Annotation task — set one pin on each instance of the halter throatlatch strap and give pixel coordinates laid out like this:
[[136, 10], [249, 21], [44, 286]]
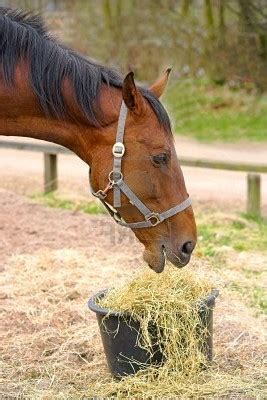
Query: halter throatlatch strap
[[118, 185]]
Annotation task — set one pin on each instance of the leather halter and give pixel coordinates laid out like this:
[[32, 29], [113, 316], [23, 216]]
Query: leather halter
[[117, 183]]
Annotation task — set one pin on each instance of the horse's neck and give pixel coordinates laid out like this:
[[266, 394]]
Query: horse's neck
[[20, 116]]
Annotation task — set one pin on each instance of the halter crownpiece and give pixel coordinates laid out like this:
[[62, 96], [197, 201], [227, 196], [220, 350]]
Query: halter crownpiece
[[118, 185]]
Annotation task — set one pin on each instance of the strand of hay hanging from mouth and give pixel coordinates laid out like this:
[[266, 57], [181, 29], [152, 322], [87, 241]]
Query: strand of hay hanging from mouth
[[170, 302]]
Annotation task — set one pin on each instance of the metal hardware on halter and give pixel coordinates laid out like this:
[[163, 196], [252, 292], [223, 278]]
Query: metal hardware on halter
[[114, 180], [102, 194], [118, 150], [153, 218], [118, 185]]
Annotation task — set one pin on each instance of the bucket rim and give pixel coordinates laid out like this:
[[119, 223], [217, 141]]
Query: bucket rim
[[209, 301]]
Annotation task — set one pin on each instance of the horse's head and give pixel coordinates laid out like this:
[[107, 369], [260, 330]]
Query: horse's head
[[151, 170], [52, 80]]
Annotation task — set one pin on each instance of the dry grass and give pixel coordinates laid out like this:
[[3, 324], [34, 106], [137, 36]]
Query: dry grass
[[50, 345]]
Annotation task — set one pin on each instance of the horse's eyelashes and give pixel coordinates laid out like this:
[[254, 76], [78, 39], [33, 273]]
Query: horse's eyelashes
[[160, 159]]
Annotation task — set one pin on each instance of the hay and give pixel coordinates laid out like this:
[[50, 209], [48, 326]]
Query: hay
[[170, 302], [50, 347]]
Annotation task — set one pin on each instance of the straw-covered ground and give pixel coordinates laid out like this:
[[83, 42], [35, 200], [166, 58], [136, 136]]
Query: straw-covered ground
[[53, 260]]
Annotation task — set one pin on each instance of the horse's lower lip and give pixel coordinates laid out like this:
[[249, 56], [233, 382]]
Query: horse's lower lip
[[157, 263]]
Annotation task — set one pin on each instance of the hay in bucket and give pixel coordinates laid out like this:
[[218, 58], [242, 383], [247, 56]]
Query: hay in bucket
[[170, 301], [170, 304]]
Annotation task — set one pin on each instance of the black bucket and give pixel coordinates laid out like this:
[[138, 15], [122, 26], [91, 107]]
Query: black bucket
[[119, 335]]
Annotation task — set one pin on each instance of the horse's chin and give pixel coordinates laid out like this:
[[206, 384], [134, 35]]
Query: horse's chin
[[155, 260]]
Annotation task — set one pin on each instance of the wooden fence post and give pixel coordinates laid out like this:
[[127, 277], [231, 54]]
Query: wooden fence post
[[50, 172], [254, 194]]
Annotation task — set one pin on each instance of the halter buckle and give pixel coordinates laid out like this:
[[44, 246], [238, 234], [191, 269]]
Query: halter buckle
[[153, 218], [118, 150]]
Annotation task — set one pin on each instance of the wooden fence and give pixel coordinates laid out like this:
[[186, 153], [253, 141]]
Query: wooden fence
[[50, 169]]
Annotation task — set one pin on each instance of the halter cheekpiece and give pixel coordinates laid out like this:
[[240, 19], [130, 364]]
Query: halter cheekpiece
[[118, 185]]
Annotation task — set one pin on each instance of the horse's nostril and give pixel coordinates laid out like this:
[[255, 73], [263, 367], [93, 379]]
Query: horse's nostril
[[187, 248]]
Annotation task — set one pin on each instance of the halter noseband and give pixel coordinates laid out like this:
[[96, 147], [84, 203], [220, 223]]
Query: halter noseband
[[118, 185]]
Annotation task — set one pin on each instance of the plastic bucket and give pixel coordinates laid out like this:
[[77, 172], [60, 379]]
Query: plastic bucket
[[119, 333]]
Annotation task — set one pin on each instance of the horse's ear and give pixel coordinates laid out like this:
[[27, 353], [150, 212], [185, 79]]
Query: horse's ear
[[131, 95], [158, 87]]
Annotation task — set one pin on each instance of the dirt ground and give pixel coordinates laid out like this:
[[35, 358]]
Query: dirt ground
[[90, 252], [51, 262], [26, 227]]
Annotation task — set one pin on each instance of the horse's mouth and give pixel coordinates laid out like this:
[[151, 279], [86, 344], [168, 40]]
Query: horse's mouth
[[175, 259], [157, 261]]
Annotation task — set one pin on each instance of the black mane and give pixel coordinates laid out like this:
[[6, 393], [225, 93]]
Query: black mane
[[24, 36]]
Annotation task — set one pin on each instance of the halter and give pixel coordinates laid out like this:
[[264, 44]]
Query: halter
[[117, 183]]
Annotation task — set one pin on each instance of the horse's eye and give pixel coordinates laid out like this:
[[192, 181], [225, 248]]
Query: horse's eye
[[160, 159]]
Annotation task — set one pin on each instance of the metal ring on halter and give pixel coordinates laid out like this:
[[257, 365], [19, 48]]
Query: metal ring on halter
[[111, 178]]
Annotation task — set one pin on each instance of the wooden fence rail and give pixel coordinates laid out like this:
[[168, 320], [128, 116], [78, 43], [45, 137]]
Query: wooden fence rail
[[50, 169], [226, 165]]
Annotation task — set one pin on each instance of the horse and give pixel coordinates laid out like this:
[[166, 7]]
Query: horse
[[119, 128]]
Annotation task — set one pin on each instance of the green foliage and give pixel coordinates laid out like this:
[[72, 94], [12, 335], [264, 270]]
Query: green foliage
[[256, 296], [237, 246], [208, 113], [53, 200], [235, 233], [226, 38]]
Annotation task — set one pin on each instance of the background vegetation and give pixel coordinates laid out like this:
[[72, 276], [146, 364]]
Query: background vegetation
[[217, 48]]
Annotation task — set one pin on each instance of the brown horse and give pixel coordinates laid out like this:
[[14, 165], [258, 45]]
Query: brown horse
[[49, 92]]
